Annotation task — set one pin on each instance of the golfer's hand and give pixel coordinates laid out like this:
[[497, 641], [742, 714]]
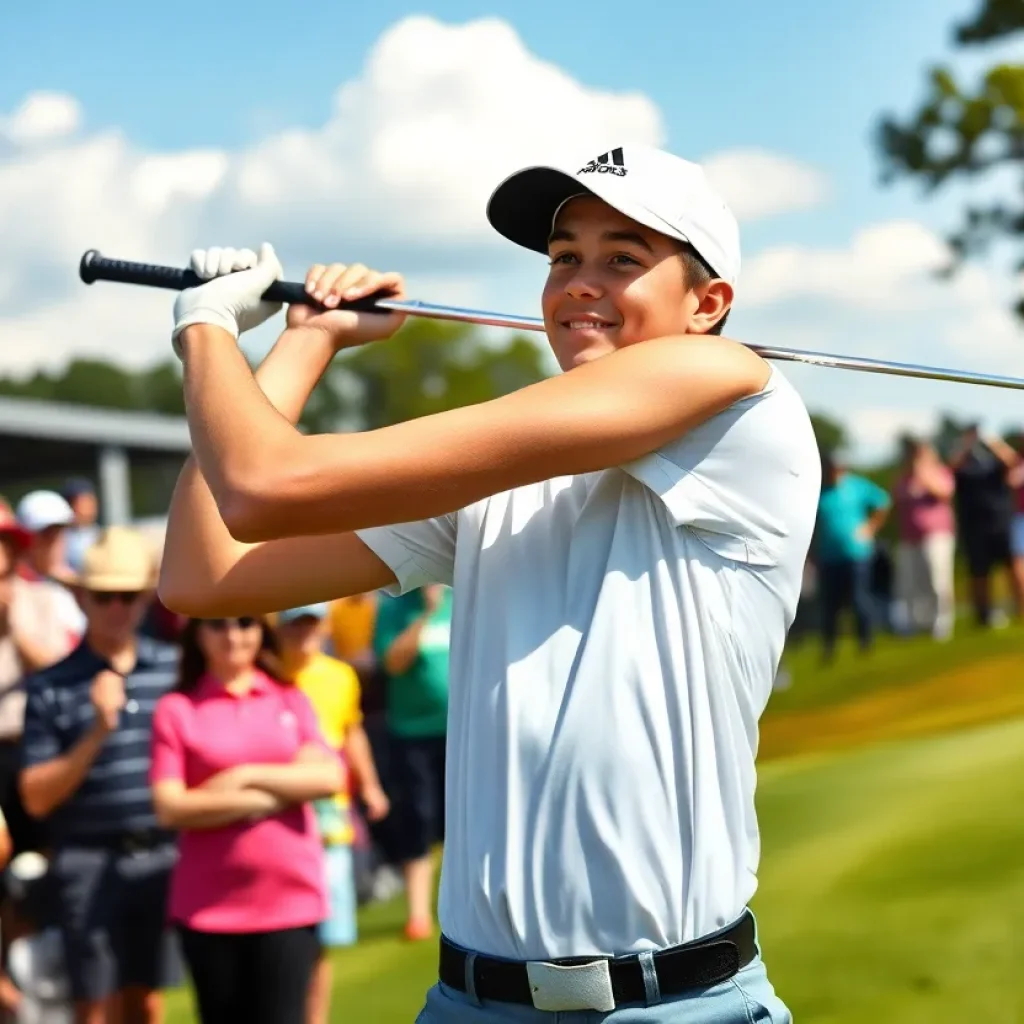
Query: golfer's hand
[[232, 295], [337, 283]]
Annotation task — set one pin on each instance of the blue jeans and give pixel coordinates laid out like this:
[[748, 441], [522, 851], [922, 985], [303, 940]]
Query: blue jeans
[[339, 928], [746, 998], [846, 584]]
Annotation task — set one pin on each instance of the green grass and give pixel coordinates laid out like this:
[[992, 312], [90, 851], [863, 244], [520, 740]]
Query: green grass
[[893, 662], [893, 880], [891, 886]]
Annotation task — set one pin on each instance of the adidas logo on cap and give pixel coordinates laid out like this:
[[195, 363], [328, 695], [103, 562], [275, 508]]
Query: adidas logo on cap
[[607, 163]]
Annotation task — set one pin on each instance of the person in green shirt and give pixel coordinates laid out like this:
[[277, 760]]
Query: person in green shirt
[[411, 641]]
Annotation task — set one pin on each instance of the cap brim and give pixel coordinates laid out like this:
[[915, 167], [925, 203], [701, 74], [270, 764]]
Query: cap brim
[[523, 206], [48, 524]]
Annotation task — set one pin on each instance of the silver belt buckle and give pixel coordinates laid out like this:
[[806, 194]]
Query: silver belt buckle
[[578, 987]]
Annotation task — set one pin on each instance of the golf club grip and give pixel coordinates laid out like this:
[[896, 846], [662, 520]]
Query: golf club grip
[[94, 267]]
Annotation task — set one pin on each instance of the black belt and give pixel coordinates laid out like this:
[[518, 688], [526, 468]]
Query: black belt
[[701, 963]]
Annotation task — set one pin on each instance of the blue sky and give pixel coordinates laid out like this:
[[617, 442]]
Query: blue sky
[[803, 81]]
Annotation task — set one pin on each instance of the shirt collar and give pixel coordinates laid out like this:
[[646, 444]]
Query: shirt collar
[[146, 655], [210, 686]]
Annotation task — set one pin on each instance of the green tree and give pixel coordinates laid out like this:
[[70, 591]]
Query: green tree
[[829, 433], [427, 367], [964, 131], [105, 385], [158, 389]]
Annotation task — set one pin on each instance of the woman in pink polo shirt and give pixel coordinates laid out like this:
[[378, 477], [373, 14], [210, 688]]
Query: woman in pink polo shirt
[[923, 495], [237, 758]]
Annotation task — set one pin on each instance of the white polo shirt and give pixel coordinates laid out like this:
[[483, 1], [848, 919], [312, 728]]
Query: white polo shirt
[[614, 641]]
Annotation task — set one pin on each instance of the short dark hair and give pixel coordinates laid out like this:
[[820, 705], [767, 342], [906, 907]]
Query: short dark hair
[[698, 274]]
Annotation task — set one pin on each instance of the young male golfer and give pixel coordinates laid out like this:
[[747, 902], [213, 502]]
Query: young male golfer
[[625, 542]]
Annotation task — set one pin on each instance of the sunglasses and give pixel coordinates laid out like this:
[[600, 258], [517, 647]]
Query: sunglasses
[[243, 622], [104, 597]]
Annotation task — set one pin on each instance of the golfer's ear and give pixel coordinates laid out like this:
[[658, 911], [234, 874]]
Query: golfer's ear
[[714, 302]]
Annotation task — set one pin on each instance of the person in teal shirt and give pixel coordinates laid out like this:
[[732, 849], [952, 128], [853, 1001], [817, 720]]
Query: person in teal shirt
[[411, 642], [851, 511]]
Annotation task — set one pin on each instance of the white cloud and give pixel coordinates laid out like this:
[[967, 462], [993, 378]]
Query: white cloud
[[885, 282], [886, 266], [42, 117], [398, 175], [759, 184], [416, 144], [878, 427]]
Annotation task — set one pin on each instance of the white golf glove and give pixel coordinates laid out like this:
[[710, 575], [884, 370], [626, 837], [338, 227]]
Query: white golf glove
[[232, 295]]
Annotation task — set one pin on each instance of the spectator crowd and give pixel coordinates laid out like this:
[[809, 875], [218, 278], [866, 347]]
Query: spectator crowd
[[210, 800], [967, 505], [201, 800]]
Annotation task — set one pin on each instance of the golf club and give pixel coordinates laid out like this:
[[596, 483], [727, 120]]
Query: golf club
[[95, 267]]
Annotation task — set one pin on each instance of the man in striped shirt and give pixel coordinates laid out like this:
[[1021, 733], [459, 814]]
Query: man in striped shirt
[[86, 754]]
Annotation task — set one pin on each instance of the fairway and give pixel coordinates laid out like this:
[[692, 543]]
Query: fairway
[[892, 880]]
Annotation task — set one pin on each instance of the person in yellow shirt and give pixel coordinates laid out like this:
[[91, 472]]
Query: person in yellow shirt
[[332, 687], [351, 627], [350, 622]]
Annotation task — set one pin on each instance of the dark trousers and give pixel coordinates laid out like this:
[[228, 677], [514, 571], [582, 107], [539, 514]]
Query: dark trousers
[[111, 908], [845, 585], [418, 764], [256, 978], [384, 834]]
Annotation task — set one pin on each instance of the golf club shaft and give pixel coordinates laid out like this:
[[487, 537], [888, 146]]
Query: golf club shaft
[[94, 267]]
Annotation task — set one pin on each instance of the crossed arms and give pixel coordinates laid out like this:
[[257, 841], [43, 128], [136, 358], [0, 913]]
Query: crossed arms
[[248, 791]]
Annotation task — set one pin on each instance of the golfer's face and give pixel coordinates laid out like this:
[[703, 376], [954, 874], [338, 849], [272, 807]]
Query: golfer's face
[[612, 283]]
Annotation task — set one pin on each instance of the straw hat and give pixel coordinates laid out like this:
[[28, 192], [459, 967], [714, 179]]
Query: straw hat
[[121, 559]]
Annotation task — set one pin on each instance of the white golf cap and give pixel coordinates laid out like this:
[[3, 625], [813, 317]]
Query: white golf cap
[[655, 188], [41, 509]]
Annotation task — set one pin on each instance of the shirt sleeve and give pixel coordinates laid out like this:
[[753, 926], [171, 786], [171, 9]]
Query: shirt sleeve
[[417, 553], [745, 481], [875, 497], [167, 744], [35, 615], [40, 739]]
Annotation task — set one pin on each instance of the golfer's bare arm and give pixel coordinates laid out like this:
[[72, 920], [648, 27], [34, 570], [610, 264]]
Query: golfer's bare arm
[[267, 481], [206, 572]]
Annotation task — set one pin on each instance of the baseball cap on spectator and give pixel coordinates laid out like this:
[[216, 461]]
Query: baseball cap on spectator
[[315, 611], [11, 530], [39, 510], [120, 560]]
